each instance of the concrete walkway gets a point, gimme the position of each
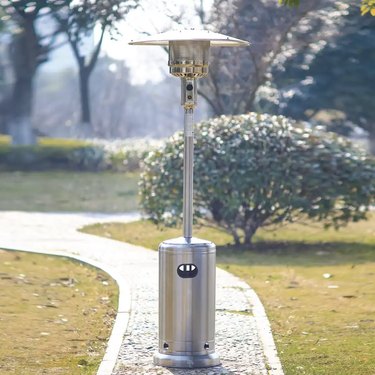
(243, 336)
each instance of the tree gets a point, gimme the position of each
(78, 23)
(340, 77)
(119, 109)
(28, 50)
(259, 170)
(236, 74)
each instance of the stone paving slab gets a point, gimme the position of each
(243, 338)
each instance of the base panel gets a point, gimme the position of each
(186, 361)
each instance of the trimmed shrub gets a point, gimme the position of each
(257, 170)
(65, 154)
(127, 155)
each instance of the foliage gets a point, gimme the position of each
(126, 155)
(93, 155)
(296, 67)
(368, 6)
(236, 75)
(56, 155)
(257, 170)
(315, 79)
(290, 3)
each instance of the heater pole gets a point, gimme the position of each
(188, 172)
(188, 100)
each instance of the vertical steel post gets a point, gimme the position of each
(188, 100)
(188, 172)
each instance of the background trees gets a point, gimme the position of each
(34, 31)
(339, 78)
(119, 108)
(326, 44)
(78, 22)
(236, 76)
(295, 67)
(29, 48)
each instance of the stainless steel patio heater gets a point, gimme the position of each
(187, 264)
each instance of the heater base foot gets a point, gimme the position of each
(186, 361)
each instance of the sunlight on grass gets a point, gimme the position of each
(146, 234)
(56, 315)
(48, 142)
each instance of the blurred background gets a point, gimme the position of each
(67, 71)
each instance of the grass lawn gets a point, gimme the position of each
(318, 288)
(68, 191)
(55, 315)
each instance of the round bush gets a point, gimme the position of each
(255, 170)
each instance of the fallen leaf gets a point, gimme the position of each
(51, 305)
(82, 362)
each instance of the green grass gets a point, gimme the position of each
(322, 326)
(68, 191)
(55, 315)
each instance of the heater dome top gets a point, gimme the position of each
(215, 39)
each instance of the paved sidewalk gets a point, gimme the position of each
(243, 337)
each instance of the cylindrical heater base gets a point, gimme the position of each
(187, 304)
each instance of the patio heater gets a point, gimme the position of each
(187, 264)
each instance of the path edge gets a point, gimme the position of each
(273, 363)
(120, 325)
(263, 327)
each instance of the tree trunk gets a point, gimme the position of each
(371, 141)
(235, 235)
(19, 122)
(248, 237)
(84, 92)
(24, 53)
(249, 230)
(84, 77)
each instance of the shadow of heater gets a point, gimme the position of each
(187, 279)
